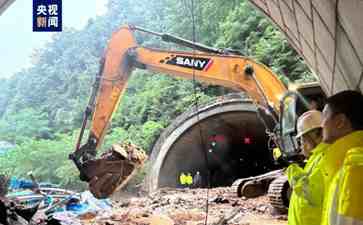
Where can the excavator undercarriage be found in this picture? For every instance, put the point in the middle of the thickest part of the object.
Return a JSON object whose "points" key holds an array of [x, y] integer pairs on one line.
{"points": [[274, 184]]}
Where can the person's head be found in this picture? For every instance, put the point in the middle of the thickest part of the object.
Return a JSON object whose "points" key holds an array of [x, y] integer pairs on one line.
{"points": [[342, 114], [309, 130], [314, 105]]}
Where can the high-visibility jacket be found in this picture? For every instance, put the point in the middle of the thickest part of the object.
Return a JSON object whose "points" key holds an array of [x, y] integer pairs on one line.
{"points": [[276, 153], [182, 179], [344, 199], [306, 202], [189, 179]]}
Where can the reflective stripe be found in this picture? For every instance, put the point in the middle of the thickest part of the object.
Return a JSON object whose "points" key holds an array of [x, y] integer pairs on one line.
{"points": [[305, 180], [308, 190], [354, 157], [342, 204], [333, 214], [307, 195], [318, 158], [334, 217], [345, 220], [295, 179]]}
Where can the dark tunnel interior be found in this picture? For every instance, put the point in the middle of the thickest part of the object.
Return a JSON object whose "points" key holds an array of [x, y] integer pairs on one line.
{"points": [[234, 143]]}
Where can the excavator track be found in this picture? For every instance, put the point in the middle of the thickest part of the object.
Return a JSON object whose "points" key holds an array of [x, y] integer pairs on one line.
{"points": [[279, 193], [245, 186], [237, 186]]}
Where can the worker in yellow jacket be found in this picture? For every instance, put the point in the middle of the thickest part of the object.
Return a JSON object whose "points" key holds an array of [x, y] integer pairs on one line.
{"points": [[189, 179], [343, 164], [306, 200], [182, 179]]}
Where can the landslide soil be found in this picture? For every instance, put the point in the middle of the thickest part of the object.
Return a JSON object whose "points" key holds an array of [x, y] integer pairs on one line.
{"points": [[188, 207]]}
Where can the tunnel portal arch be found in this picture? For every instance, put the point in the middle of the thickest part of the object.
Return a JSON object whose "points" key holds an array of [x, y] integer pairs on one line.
{"points": [[240, 150]]}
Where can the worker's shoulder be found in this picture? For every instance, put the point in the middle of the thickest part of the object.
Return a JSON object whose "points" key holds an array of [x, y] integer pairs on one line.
{"points": [[294, 171], [320, 149], [354, 156]]}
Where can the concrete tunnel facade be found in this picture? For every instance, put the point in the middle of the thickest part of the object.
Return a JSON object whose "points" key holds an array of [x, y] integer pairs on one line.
{"points": [[228, 130]]}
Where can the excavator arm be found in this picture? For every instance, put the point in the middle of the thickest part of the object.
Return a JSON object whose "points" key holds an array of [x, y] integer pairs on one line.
{"points": [[205, 64]]}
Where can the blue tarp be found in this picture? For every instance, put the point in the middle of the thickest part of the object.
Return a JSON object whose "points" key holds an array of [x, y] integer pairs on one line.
{"points": [[16, 183]]}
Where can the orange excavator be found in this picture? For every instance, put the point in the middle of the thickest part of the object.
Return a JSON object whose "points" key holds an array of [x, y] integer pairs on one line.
{"points": [[222, 67]]}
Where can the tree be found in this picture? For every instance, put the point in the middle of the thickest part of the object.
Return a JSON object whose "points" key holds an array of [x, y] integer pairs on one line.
{"points": [[23, 125], [42, 106]]}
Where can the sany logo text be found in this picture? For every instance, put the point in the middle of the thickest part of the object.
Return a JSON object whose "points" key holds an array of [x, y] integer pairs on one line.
{"points": [[191, 62], [197, 63]]}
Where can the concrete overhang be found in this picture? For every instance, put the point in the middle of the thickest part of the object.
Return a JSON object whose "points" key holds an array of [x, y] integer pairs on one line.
{"points": [[4, 4], [328, 34]]}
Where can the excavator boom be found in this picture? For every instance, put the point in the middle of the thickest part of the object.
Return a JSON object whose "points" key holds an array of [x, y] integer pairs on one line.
{"points": [[123, 54]]}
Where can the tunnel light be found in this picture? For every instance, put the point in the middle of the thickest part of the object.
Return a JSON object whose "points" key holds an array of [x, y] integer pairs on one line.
{"points": [[217, 138], [210, 150], [247, 140]]}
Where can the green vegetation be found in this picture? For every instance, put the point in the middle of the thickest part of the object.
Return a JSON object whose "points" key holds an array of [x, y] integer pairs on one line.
{"points": [[41, 107]]}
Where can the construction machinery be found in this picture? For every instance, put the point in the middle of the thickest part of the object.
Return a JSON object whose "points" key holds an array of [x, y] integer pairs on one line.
{"points": [[278, 107], [294, 103]]}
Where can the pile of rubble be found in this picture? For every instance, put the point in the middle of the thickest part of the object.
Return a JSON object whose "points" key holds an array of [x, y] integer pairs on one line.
{"points": [[188, 207], [165, 207], [113, 169]]}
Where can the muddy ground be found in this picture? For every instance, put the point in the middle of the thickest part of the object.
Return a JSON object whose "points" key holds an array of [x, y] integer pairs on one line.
{"points": [[188, 207]]}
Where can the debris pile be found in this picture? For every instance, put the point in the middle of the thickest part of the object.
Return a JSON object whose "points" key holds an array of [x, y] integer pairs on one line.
{"points": [[187, 207], [114, 168], [167, 206], [74, 210]]}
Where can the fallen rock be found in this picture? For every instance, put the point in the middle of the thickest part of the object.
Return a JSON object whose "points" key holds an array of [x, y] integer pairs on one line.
{"points": [[262, 208], [220, 200]]}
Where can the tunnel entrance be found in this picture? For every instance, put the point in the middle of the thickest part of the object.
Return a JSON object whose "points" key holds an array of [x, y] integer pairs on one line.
{"points": [[229, 132]]}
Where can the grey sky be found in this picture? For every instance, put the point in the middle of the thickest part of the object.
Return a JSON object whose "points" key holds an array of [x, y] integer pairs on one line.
{"points": [[18, 41]]}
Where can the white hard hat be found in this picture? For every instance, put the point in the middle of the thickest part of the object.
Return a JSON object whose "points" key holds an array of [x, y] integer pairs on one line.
{"points": [[308, 121]]}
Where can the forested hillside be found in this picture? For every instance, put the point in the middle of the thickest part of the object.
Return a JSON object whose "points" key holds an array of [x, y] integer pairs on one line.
{"points": [[41, 107]]}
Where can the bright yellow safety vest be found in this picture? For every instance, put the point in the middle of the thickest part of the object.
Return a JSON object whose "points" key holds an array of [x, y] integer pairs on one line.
{"points": [[344, 200], [189, 179], [182, 179], [306, 200]]}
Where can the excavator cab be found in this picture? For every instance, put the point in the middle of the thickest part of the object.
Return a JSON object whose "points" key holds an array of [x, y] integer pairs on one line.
{"points": [[294, 103]]}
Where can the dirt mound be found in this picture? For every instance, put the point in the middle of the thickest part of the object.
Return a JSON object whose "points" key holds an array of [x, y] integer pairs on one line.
{"points": [[188, 207]]}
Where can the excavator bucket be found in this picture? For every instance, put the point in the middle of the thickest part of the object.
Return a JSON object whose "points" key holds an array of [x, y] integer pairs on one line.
{"points": [[113, 169]]}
